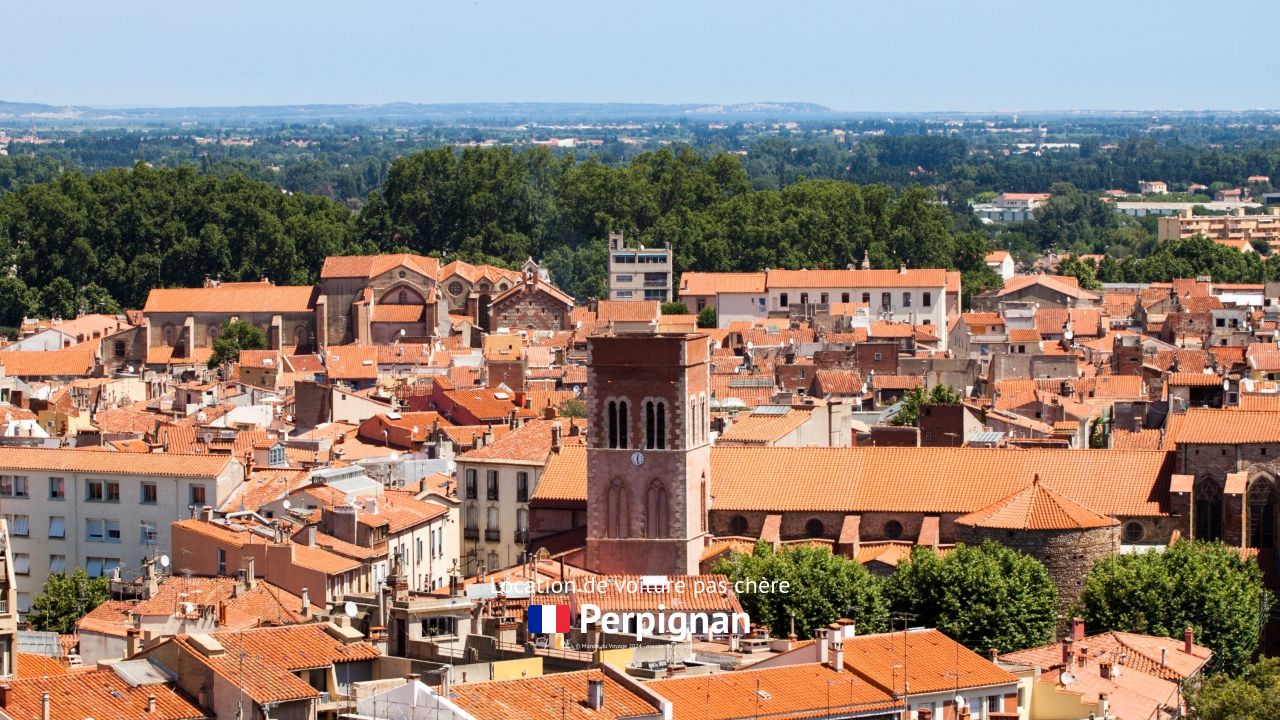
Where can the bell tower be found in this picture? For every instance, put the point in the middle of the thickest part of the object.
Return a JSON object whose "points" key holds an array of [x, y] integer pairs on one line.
{"points": [[648, 452]]}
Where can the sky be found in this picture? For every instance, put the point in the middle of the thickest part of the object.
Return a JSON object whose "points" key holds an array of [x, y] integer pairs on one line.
{"points": [[853, 56]]}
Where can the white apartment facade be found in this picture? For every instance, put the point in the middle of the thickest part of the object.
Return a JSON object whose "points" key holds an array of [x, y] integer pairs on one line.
{"points": [[639, 273], [69, 509]]}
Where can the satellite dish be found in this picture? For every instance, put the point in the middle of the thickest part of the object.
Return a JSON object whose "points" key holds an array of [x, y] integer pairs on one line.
{"points": [[187, 608], [1067, 678], [286, 504], [164, 561], [1068, 334], [350, 609]]}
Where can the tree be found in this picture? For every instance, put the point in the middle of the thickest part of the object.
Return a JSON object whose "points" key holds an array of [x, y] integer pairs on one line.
{"points": [[675, 308], [66, 598], [909, 413], [1252, 695], [822, 588], [572, 408], [1208, 587], [16, 301], [984, 596], [707, 318], [59, 299], [1082, 271], [236, 335]]}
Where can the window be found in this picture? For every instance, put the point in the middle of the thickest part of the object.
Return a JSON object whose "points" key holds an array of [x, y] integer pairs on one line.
{"points": [[57, 488], [119, 348], [906, 299], [113, 530], [617, 421], [783, 300], [94, 529], [13, 486], [222, 561], [19, 525], [844, 297], [1261, 511], [522, 487], [622, 278], [617, 520], [438, 626], [148, 493], [822, 298], [927, 301], [804, 298], [471, 485], [814, 528], [57, 527], [57, 563], [418, 556], [893, 529], [878, 357], [113, 491], [93, 490], [624, 293], [21, 564], [866, 298], [196, 493], [994, 704], [658, 516], [655, 425], [149, 536], [471, 517], [737, 525], [491, 484], [93, 566], [885, 300], [276, 456]]}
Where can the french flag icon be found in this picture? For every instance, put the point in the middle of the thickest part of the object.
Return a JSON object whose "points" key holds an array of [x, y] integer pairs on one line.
{"points": [[548, 619]]}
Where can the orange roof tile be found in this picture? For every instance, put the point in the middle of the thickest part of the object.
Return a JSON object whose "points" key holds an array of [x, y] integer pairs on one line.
{"points": [[1194, 379], [529, 443], [1259, 403], [87, 461], [96, 693], [756, 429], [896, 382], [699, 283], [232, 298], [32, 665], [1036, 507], [368, 266], [392, 313], [1208, 426], [936, 661], [1057, 283], [483, 403], [75, 361], [558, 696], [351, 362], [924, 278], [789, 692], [1140, 440], [627, 311]]}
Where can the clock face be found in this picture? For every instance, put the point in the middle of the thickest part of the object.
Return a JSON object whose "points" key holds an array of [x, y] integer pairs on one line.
{"points": [[637, 458]]}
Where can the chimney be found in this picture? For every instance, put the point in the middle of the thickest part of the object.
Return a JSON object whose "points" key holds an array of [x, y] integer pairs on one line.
{"points": [[4, 695], [132, 641], [44, 705], [1077, 628], [206, 513], [306, 605], [222, 615], [1066, 652], [555, 437], [1164, 657], [1188, 639], [151, 704], [819, 636], [835, 649], [1105, 668], [1082, 657], [311, 536], [373, 506], [1103, 705], [595, 694], [994, 654], [549, 412], [250, 578], [902, 269]]}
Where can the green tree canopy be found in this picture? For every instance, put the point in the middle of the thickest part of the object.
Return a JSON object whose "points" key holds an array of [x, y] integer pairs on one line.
{"points": [[66, 598], [984, 596], [236, 335], [675, 308], [913, 399], [822, 589], [1254, 694], [1206, 586], [573, 408], [707, 317]]}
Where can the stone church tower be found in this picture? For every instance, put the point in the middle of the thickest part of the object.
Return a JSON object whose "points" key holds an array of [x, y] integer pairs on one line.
{"points": [[648, 453]]}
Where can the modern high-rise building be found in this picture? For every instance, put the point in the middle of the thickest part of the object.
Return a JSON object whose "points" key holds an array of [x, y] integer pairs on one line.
{"points": [[639, 273]]}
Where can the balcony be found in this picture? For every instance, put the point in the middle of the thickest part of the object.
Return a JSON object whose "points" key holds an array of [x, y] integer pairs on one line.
{"points": [[492, 535], [522, 537], [471, 533]]}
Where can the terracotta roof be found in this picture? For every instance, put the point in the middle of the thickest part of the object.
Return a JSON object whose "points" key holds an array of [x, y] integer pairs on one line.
{"points": [[392, 313], [557, 696], [531, 442], [763, 429], [32, 665], [936, 661], [232, 298], [997, 256], [1140, 440], [530, 287], [1036, 507], [75, 361], [838, 382], [1194, 379], [982, 318], [628, 311], [1261, 356], [1208, 426], [959, 480], [896, 382], [126, 420], [780, 693], [368, 266], [483, 403], [96, 693], [687, 592], [1052, 282], [1259, 403], [1085, 322], [351, 362], [1142, 654], [1024, 335], [465, 435], [923, 278], [87, 461], [698, 283], [109, 618]]}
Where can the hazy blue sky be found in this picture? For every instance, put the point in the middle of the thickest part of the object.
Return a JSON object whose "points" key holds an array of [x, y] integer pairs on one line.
{"points": [[883, 55]]}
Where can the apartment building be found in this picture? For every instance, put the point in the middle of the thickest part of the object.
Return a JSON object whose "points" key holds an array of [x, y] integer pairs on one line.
{"points": [[496, 482], [100, 510], [639, 273], [1236, 226]]}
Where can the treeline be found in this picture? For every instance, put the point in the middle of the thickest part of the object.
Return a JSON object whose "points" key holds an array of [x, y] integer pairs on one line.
{"points": [[100, 242]]}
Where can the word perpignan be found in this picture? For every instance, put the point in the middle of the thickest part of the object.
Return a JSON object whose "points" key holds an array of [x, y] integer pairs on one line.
{"points": [[680, 626]]}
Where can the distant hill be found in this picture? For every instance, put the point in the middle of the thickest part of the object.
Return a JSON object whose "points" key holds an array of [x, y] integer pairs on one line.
{"points": [[18, 114]]}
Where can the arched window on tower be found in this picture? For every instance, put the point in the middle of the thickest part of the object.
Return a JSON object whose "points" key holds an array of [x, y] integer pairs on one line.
{"points": [[655, 425], [1262, 512], [616, 510], [1208, 509], [611, 410], [624, 439], [658, 517]]}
